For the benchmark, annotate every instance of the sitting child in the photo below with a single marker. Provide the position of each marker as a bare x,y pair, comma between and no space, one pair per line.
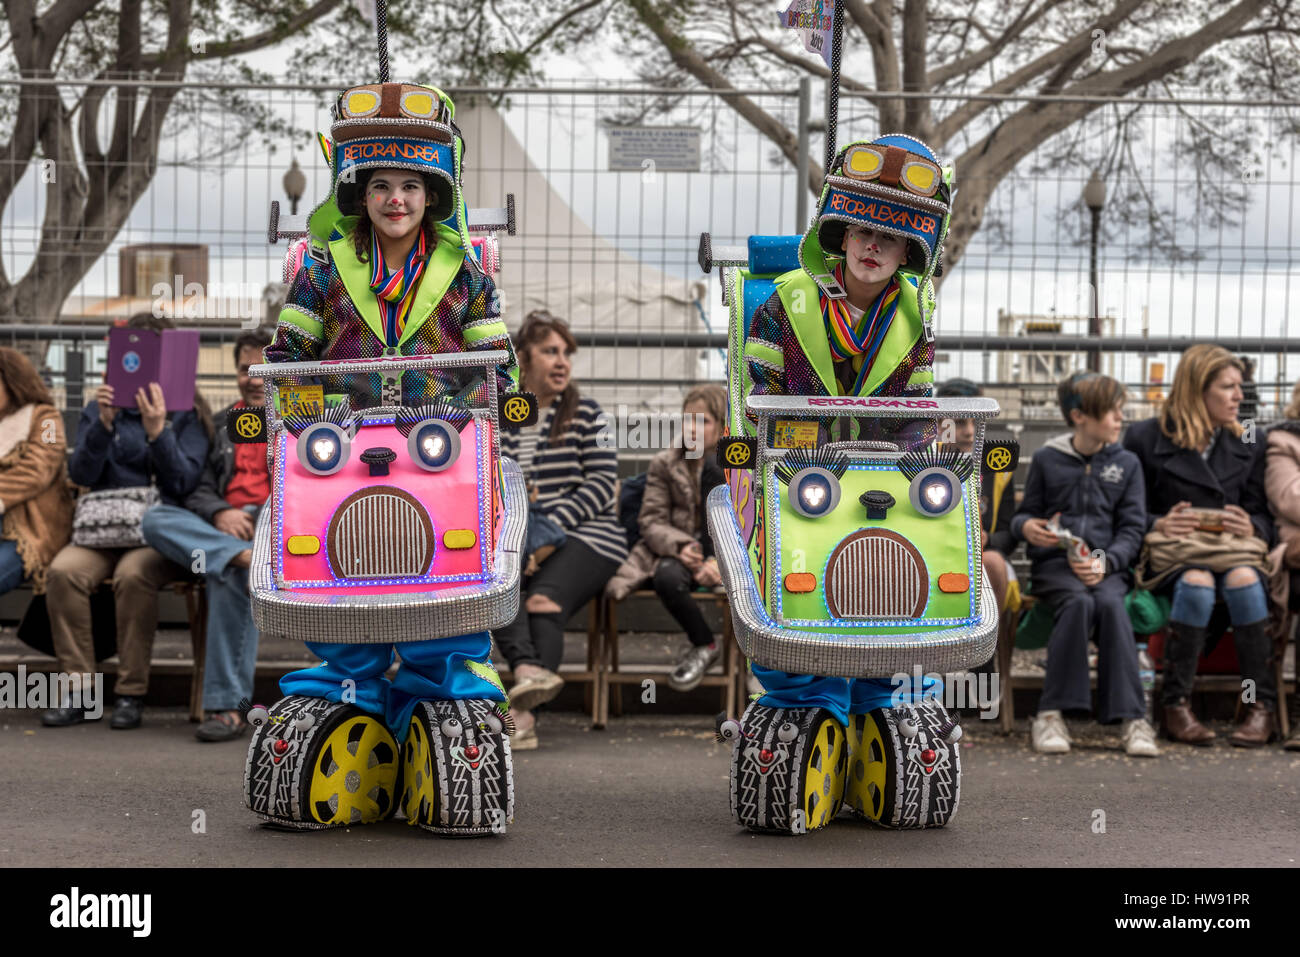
1084,515
675,552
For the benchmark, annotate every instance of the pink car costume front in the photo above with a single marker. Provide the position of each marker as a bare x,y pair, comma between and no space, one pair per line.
394,524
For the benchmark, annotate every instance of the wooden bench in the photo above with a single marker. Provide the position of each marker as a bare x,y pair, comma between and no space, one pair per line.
589,675
731,679
195,595
1010,622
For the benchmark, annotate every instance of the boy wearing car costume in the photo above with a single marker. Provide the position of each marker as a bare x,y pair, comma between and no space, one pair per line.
885,203
855,320
347,302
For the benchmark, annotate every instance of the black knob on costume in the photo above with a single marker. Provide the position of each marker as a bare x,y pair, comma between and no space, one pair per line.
378,459
878,503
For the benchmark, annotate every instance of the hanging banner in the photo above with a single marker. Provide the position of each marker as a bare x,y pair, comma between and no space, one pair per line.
815,20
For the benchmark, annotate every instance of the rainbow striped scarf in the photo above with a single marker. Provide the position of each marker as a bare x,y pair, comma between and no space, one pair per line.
395,290
846,340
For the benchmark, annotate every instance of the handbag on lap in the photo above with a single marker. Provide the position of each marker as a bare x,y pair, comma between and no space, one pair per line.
111,518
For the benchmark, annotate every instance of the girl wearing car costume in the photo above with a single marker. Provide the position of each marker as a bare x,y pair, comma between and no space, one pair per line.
348,302
843,325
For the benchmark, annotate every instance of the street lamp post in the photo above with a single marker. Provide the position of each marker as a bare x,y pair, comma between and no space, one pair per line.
295,184
1094,197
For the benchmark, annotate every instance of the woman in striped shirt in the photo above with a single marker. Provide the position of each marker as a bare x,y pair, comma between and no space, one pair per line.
572,477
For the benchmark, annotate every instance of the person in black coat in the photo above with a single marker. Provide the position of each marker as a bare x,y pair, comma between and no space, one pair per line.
1195,456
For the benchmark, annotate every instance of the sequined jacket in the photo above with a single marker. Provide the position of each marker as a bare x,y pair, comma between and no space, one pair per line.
779,364
331,313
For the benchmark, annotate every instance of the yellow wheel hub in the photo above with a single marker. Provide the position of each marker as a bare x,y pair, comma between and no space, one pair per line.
355,776
418,763
867,766
823,790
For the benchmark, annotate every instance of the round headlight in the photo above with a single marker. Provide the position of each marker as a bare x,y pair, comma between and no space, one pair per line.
323,448
814,492
433,445
935,492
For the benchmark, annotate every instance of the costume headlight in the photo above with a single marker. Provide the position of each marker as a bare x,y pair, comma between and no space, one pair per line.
323,448
814,492
935,492
433,445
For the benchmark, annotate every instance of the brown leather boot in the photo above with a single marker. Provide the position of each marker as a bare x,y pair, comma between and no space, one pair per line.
1256,729
1181,725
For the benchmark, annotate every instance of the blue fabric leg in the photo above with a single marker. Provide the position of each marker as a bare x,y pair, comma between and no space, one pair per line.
867,694
183,536
1192,604
362,665
11,567
232,641
442,669
785,690
1247,604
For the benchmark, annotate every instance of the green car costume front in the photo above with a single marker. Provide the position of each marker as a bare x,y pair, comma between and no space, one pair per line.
804,341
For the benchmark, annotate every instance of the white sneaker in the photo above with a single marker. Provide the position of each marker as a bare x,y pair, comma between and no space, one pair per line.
1140,739
1049,734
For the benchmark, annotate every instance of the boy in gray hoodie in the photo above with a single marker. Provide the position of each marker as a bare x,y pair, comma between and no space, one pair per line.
1083,516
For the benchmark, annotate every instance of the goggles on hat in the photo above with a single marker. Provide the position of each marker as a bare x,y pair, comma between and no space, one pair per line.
416,102
893,166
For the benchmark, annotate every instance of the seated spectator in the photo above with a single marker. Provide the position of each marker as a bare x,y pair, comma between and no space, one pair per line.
997,499
572,475
122,448
34,495
1282,486
1193,458
675,550
1084,483
218,519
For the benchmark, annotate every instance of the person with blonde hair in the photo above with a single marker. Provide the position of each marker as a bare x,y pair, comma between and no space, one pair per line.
675,552
1282,485
1209,529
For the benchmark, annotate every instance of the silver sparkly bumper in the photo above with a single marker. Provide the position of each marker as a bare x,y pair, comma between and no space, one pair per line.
395,617
846,656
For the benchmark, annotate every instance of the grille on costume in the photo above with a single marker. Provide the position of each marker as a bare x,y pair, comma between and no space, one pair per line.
876,573
380,532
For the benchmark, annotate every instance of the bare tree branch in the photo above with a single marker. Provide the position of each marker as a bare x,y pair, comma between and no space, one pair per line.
965,65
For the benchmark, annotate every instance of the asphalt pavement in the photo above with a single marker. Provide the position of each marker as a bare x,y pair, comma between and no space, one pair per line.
648,791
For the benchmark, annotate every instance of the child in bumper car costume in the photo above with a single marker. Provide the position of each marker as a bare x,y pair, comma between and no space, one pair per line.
854,320
387,276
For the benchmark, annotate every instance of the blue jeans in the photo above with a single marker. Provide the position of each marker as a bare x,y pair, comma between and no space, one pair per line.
1193,604
232,638
11,567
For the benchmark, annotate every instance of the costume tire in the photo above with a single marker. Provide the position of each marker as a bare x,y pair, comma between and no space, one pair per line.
903,780
315,764
788,769
457,770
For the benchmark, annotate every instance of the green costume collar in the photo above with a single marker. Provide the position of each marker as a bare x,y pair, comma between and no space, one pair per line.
444,263
799,297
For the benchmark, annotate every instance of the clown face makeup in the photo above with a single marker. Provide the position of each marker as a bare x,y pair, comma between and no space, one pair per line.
872,256
395,202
